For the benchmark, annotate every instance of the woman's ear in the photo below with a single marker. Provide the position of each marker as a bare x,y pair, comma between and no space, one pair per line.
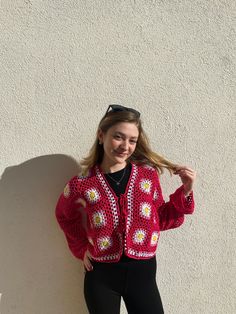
100,136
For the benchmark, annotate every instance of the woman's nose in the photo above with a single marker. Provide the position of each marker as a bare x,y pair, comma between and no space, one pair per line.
125,144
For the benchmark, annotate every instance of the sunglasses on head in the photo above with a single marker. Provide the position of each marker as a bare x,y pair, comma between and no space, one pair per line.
116,108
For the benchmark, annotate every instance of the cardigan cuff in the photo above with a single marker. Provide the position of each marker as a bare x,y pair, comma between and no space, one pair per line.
183,204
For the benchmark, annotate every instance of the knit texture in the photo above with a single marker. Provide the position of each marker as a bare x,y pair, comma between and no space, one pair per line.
94,218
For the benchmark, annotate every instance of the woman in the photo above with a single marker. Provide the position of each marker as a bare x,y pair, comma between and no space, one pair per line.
113,213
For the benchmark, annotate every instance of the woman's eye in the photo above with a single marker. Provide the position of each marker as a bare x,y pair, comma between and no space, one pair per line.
119,137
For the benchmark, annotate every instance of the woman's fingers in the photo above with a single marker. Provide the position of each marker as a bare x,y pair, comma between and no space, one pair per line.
182,168
185,171
87,262
88,265
187,176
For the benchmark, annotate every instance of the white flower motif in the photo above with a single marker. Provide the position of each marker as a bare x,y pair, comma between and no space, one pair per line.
104,243
139,236
92,195
99,219
66,191
145,210
154,238
145,185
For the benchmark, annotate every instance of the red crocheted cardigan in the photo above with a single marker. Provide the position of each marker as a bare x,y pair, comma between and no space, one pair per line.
93,218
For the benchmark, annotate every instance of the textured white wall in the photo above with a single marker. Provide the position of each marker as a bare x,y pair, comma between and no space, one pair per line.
62,63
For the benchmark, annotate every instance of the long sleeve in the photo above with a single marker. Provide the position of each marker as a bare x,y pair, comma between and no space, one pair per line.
70,219
171,213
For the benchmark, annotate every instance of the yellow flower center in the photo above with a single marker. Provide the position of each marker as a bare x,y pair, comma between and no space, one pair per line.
97,219
140,236
105,243
92,195
146,209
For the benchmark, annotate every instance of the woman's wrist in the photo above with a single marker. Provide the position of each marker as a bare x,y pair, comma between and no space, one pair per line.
187,190
187,193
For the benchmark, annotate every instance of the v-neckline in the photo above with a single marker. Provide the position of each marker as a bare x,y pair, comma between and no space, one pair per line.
108,185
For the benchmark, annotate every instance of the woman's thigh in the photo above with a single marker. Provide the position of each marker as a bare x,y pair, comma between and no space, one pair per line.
141,292
101,290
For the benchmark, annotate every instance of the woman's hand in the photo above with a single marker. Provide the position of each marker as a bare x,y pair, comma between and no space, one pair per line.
187,176
87,261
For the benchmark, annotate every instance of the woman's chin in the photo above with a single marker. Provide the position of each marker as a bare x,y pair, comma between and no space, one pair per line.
120,158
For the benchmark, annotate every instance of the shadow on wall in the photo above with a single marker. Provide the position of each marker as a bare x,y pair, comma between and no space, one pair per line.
38,274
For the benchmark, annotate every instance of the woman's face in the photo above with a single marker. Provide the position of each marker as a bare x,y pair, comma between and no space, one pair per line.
119,143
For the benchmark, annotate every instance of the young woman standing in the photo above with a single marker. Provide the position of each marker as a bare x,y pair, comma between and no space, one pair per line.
113,213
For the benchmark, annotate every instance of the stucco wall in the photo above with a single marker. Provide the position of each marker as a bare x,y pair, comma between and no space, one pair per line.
62,63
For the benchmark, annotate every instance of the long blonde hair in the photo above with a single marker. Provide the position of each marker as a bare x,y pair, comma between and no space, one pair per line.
143,153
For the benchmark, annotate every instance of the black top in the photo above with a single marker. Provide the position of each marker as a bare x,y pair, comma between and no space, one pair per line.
117,176
120,188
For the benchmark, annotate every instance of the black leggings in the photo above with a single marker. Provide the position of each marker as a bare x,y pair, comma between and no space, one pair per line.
134,280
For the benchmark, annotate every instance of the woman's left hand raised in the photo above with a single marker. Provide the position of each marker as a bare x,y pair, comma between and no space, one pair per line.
187,176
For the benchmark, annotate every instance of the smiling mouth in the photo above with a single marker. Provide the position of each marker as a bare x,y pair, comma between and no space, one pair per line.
120,154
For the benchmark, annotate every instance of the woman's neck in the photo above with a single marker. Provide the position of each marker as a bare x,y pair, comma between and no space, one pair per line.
106,168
